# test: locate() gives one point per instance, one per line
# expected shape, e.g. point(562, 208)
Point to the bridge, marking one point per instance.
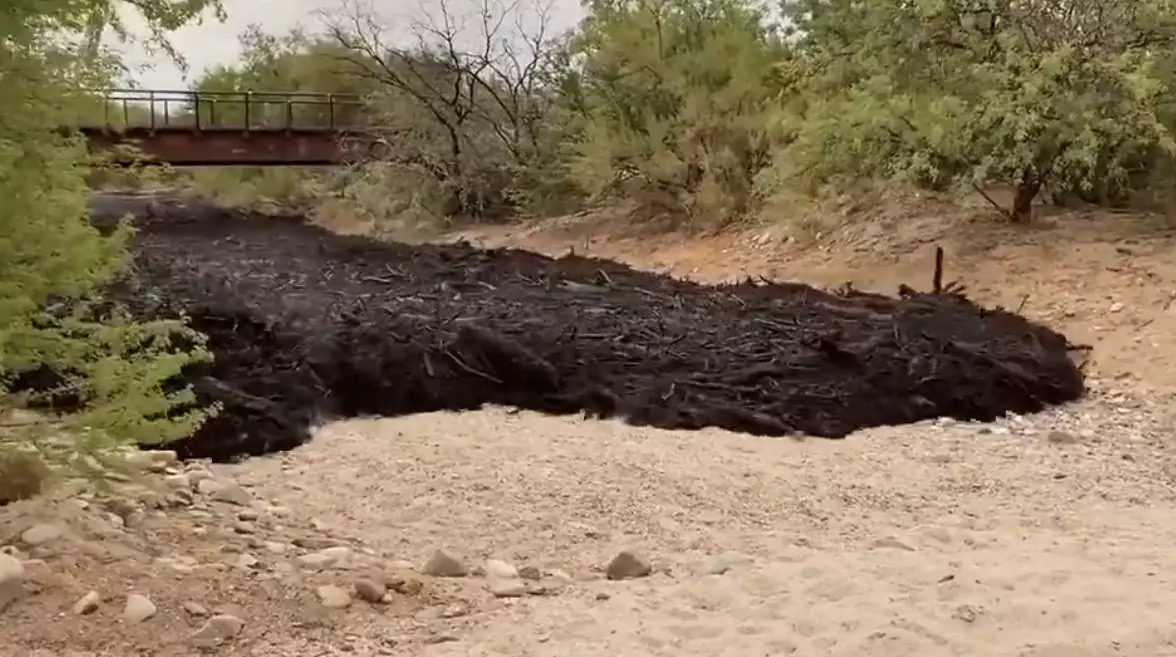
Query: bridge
point(230, 128)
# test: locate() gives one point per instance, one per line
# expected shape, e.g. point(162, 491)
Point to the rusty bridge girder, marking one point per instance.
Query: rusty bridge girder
point(231, 128)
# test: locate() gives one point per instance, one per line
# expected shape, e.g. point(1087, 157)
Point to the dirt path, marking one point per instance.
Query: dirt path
point(1042, 536)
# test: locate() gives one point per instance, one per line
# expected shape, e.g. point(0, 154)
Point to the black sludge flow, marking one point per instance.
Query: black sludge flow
point(307, 325)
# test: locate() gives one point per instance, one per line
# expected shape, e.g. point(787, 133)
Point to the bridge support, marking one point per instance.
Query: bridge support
point(210, 147)
point(232, 128)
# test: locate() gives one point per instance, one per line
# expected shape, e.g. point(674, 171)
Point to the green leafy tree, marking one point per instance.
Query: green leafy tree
point(54, 264)
point(677, 98)
point(949, 93)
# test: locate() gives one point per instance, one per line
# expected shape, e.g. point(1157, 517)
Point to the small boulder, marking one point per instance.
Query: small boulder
point(138, 608)
point(370, 590)
point(500, 569)
point(627, 565)
point(87, 604)
point(41, 534)
point(12, 571)
point(333, 597)
point(507, 588)
point(444, 564)
point(219, 628)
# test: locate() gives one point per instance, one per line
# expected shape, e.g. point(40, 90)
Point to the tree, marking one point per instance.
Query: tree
point(472, 110)
point(677, 97)
point(943, 93)
point(54, 264)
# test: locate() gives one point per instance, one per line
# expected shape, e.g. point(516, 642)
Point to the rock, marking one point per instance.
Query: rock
point(219, 628)
point(316, 561)
point(444, 564)
point(247, 515)
point(195, 609)
point(893, 542)
point(531, 573)
point(12, 571)
point(628, 565)
point(718, 566)
point(152, 460)
point(369, 590)
point(41, 534)
point(500, 569)
point(324, 559)
point(1062, 438)
point(178, 482)
point(87, 603)
point(244, 528)
point(198, 474)
point(246, 562)
point(333, 597)
point(232, 493)
point(138, 608)
point(507, 588)
point(405, 585)
point(339, 552)
point(34, 569)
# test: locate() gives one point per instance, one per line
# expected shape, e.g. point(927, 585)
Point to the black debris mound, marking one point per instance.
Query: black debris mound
point(308, 325)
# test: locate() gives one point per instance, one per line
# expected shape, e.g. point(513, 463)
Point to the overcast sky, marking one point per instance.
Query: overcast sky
point(214, 42)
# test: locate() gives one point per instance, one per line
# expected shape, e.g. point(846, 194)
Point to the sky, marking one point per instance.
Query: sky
point(213, 42)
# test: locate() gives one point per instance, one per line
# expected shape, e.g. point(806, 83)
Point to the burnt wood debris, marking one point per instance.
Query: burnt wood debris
point(307, 326)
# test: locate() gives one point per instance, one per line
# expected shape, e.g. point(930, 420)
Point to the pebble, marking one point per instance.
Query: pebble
point(138, 608)
point(41, 534)
point(219, 628)
point(500, 569)
point(444, 564)
point(87, 603)
point(333, 597)
point(628, 565)
point(531, 573)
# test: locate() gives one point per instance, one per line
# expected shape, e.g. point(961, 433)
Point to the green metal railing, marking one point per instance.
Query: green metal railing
point(229, 110)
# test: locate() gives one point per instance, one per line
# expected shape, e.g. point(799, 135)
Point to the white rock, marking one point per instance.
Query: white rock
point(500, 569)
point(333, 597)
point(219, 628)
point(178, 482)
point(444, 564)
point(507, 588)
point(316, 561)
point(41, 534)
point(87, 603)
point(138, 608)
point(12, 571)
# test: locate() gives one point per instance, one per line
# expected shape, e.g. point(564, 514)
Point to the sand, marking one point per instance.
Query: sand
point(1042, 536)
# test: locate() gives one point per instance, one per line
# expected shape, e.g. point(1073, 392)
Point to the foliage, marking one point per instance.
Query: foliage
point(54, 264)
point(677, 98)
point(944, 93)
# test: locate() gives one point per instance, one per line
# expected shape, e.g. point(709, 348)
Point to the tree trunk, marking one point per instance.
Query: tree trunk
point(1027, 190)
